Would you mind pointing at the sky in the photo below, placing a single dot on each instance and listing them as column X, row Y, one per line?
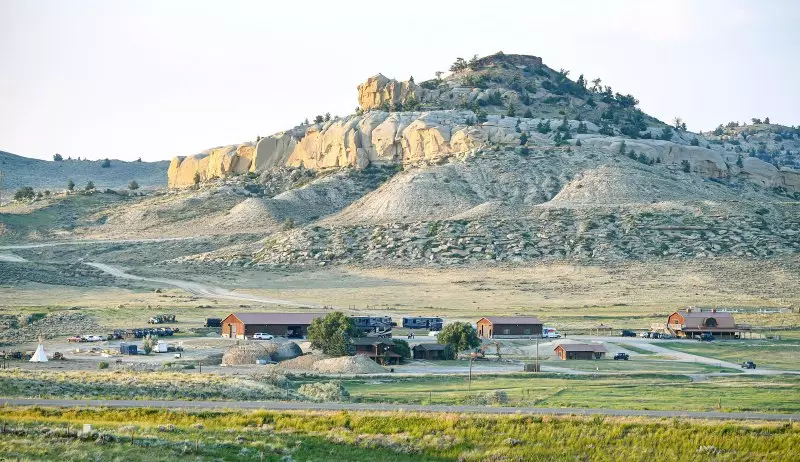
column 157, row 79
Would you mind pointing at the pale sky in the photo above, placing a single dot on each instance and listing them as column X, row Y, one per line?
column 156, row 79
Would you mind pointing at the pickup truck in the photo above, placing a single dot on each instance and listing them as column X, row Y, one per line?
column 621, row 356
column 262, row 336
column 748, row 365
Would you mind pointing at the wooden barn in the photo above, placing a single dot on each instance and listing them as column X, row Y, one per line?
column 693, row 322
column 567, row 351
column 431, row 351
column 509, row 326
column 291, row 325
column 376, row 349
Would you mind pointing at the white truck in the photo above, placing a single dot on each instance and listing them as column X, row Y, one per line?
column 549, row 332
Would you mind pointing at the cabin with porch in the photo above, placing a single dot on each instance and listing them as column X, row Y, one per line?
column 693, row 322
column 509, row 327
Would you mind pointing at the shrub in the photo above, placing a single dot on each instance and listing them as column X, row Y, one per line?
column 133, row 185
column 70, row 185
column 58, row 157
column 102, row 365
column 196, row 178
column 105, row 164
column 695, row 142
column 401, row 347
column 523, row 138
column 666, row 134
column 528, row 114
column 148, row 345
column 25, row 192
column 287, row 224
column 582, row 128
column 543, row 127
column 324, row 391
column 89, row 186
column 685, row 166
column 606, row 129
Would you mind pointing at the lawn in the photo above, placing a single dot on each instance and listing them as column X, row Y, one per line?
column 642, row 391
column 777, row 354
column 162, row 435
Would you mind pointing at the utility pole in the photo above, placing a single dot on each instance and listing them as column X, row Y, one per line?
column 469, row 387
column 1, row 188
column 537, row 354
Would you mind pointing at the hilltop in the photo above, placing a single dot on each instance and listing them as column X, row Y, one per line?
column 39, row 174
column 503, row 160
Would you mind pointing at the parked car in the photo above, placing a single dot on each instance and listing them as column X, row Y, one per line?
column 621, row 356
column 262, row 336
column 644, row 334
column 666, row 336
column 628, row 333
column 706, row 337
column 748, row 365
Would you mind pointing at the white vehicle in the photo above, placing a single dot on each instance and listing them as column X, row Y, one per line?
column 433, row 333
column 94, row 338
column 262, row 336
column 549, row 332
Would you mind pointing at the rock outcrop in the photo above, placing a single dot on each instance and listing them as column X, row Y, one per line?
column 704, row 161
column 380, row 92
column 217, row 162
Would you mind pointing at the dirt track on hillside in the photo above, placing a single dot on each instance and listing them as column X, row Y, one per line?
column 199, row 289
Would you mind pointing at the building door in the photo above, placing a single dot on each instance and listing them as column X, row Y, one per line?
column 231, row 331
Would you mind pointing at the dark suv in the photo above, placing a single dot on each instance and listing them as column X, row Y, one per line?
column 628, row 333
column 624, row 356
column 706, row 337
column 748, row 365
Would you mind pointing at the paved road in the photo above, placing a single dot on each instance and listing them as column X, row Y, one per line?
column 203, row 290
column 292, row 405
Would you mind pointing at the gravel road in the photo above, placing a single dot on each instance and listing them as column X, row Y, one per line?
column 199, row 289
column 290, row 405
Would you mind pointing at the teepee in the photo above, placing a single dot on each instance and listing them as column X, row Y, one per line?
column 40, row 356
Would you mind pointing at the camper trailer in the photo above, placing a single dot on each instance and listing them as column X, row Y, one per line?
column 421, row 322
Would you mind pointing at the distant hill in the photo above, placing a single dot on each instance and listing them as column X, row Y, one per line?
column 21, row 171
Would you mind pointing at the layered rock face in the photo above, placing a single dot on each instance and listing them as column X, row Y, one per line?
column 379, row 91
column 217, row 162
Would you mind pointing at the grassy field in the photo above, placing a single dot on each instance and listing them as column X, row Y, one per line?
column 162, row 435
column 644, row 391
column 783, row 354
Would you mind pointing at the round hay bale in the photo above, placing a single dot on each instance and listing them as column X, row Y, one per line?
column 281, row 351
column 244, row 353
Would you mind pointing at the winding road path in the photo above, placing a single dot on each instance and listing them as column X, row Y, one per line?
column 305, row 406
column 199, row 289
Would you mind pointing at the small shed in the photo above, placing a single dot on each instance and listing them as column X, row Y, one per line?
column 509, row 326
column 567, row 351
column 431, row 351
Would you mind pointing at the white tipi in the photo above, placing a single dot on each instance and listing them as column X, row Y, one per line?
column 40, row 356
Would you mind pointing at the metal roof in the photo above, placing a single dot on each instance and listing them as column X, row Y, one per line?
column 582, row 347
column 278, row 318
column 512, row 319
column 430, row 347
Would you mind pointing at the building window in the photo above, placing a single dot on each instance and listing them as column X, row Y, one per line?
column 711, row 322
column 506, row 331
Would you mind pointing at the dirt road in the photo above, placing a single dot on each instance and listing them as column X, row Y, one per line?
column 10, row 257
column 305, row 406
column 199, row 289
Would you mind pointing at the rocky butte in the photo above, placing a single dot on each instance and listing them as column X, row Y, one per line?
column 492, row 102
